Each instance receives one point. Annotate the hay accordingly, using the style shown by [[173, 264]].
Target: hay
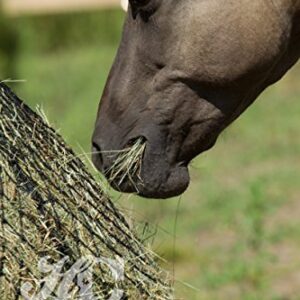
[[51, 206], [127, 164]]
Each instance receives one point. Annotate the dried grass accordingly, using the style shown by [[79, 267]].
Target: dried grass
[[127, 165]]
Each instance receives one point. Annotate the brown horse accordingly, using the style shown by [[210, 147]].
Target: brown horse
[[185, 70]]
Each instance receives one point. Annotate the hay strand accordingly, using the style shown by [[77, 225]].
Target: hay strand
[[128, 164]]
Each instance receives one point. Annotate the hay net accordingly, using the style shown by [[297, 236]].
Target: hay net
[[52, 211]]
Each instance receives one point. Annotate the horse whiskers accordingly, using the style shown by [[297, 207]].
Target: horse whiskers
[[85, 154]]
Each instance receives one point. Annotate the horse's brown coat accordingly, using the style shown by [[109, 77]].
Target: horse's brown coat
[[184, 71]]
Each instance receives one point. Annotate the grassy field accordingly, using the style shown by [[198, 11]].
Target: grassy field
[[235, 234]]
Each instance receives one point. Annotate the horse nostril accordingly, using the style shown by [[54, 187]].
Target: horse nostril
[[135, 141], [97, 156]]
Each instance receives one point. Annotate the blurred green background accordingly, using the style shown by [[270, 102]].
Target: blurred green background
[[235, 234]]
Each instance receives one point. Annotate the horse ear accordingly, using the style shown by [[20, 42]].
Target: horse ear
[[124, 4]]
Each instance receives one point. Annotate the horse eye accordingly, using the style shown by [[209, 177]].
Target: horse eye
[[137, 6], [138, 3]]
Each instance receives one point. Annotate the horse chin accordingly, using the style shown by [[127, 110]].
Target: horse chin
[[176, 182]]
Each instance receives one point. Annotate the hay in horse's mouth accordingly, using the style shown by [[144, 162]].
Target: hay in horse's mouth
[[127, 165]]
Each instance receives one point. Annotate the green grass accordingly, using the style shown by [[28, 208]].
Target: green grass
[[68, 86], [235, 234], [47, 33]]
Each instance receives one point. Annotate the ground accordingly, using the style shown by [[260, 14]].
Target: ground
[[235, 234]]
